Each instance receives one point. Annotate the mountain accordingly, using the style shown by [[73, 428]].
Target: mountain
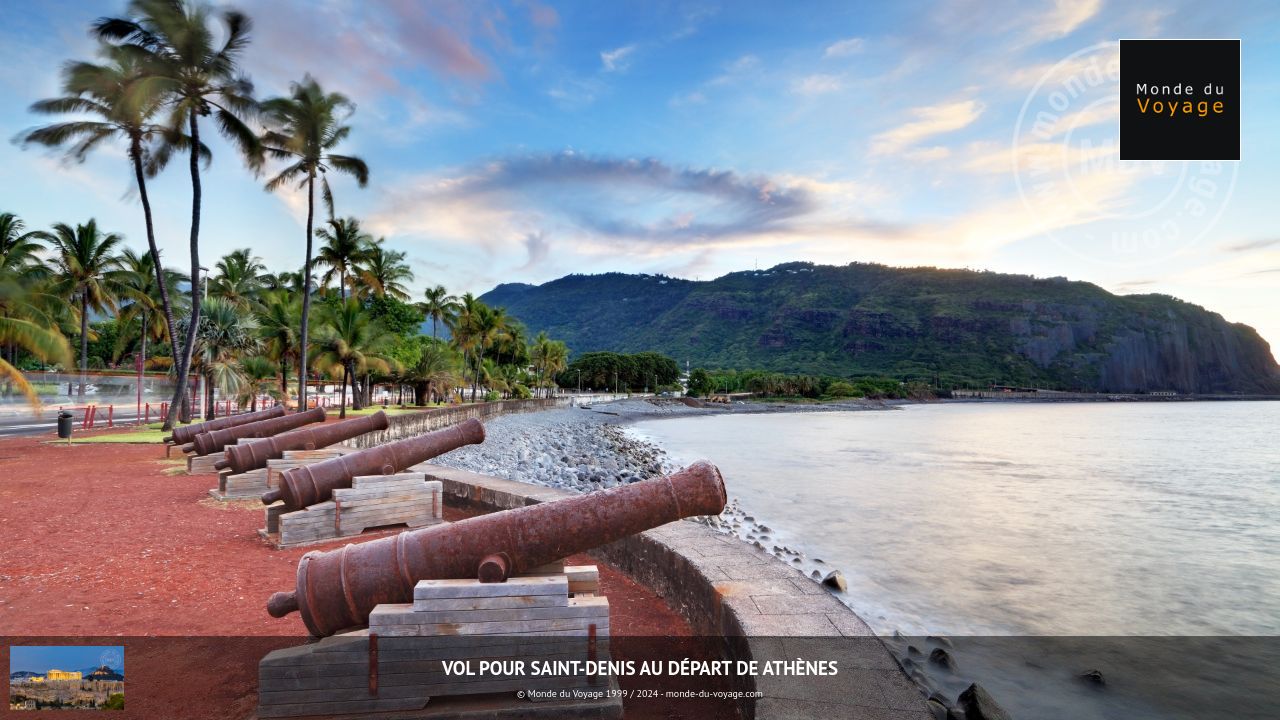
[[23, 674], [966, 328], [102, 673]]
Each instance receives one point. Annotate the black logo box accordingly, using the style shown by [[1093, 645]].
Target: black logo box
[[1187, 68]]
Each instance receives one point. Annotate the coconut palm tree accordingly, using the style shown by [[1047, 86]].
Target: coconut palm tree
[[384, 272], [239, 277], [549, 357], [87, 271], [350, 340], [226, 333], [198, 77], [24, 325], [20, 262], [440, 306], [279, 315], [343, 251], [124, 104], [304, 129]]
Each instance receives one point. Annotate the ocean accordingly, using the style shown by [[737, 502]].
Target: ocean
[[1004, 526]]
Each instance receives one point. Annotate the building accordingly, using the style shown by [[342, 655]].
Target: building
[[62, 675]]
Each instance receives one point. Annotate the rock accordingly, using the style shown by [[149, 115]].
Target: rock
[[816, 575], [835, 580], [939, 640], [1092, 677], [936, 709], [913, 651], [955, 714], [942, 659], [978, 704]]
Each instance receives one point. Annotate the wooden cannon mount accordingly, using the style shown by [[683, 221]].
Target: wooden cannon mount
[[350, 492]]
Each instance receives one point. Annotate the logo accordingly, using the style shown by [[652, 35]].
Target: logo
[[1179, 99]]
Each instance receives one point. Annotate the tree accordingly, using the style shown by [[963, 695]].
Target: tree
[[239, 278], [174, 40], [125, 102], [87, 271], [279, 315], [304, 128], [353, 342], [225, 334], [20, 264], [140, 304], [259, 375], [440, 306], [343, 251], [700, 384], [24, 325], [435, 372], [383, 272]]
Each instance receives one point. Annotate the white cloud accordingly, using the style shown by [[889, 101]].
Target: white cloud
[[930, 120], [816, 85], [844, 48], [616, 60]]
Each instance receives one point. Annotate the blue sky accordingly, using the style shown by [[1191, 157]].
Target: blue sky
[[42, 658], [522, 141]]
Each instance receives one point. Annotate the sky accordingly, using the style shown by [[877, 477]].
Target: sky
[[42, 658], [522, 141]]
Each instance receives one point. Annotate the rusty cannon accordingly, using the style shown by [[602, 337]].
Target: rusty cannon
[[211, 442], [253, 455], [184, 434], [338, 589], [311, 484]]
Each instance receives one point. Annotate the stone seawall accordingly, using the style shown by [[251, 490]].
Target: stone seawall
[[726, 588]]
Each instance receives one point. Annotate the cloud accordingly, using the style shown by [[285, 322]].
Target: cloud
[[930, 120], [818, 84], [616, 60], [1064, 18], [537, 246], [844, 48], [1250, 245]]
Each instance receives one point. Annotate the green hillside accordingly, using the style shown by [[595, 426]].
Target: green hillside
[[964, 327]]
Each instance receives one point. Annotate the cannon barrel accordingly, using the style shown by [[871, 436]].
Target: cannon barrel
[[183, 434], [339, 588], [253, 455], [215, 441], [314, 483]]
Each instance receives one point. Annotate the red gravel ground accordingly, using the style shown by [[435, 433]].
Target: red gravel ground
[[109, 540]]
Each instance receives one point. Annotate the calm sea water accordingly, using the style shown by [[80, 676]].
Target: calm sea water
[[1141, 540], [1021, 519]]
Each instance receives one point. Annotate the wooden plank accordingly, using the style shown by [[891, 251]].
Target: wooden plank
[[490, 603], [522, 585], [389, 614], [511, 627]]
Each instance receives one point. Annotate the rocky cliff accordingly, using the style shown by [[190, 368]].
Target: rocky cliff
[[956, 326]]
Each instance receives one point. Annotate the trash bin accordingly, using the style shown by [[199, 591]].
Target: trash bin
[[64, 425]]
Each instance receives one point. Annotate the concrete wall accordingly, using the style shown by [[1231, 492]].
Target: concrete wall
[[759, 605]]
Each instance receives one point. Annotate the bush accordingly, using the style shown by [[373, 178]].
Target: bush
[[492, 396], [520, 392], [842, 389]]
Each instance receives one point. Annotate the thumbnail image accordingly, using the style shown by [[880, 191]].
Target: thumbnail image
[[66, 677]]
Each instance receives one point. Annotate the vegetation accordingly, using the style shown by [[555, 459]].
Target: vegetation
[[614, 371]]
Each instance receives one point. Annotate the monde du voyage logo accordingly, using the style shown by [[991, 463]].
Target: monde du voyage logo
[[1179, 99]]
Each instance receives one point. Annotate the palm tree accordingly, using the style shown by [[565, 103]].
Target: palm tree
[[19, 262], [304, 129], [383, 272], [225, 334], [435, 373], [278, 317], [24, 325], [352, 341], [197, 78], [465, 331], [87, 271], [344, 250], [549, 357], [239, 277], [259, 374], [139, 294], [439, 306], [125, 104]]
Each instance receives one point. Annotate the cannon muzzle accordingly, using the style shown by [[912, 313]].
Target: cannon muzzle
[[215, 441], [185, 433], [253, 455], [314, 483], [339, 588]]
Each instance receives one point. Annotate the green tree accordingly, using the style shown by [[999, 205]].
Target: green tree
[[345, 248], [700, 384], [439, 306], [226, 333], [279, 315], [20, 267], [87, 271], [141, 316], [198, 78], [259, 374], [25, 325], [304, 129], [383, 273], [125, 105], [239, 278], [436, 371], [350, 340]]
